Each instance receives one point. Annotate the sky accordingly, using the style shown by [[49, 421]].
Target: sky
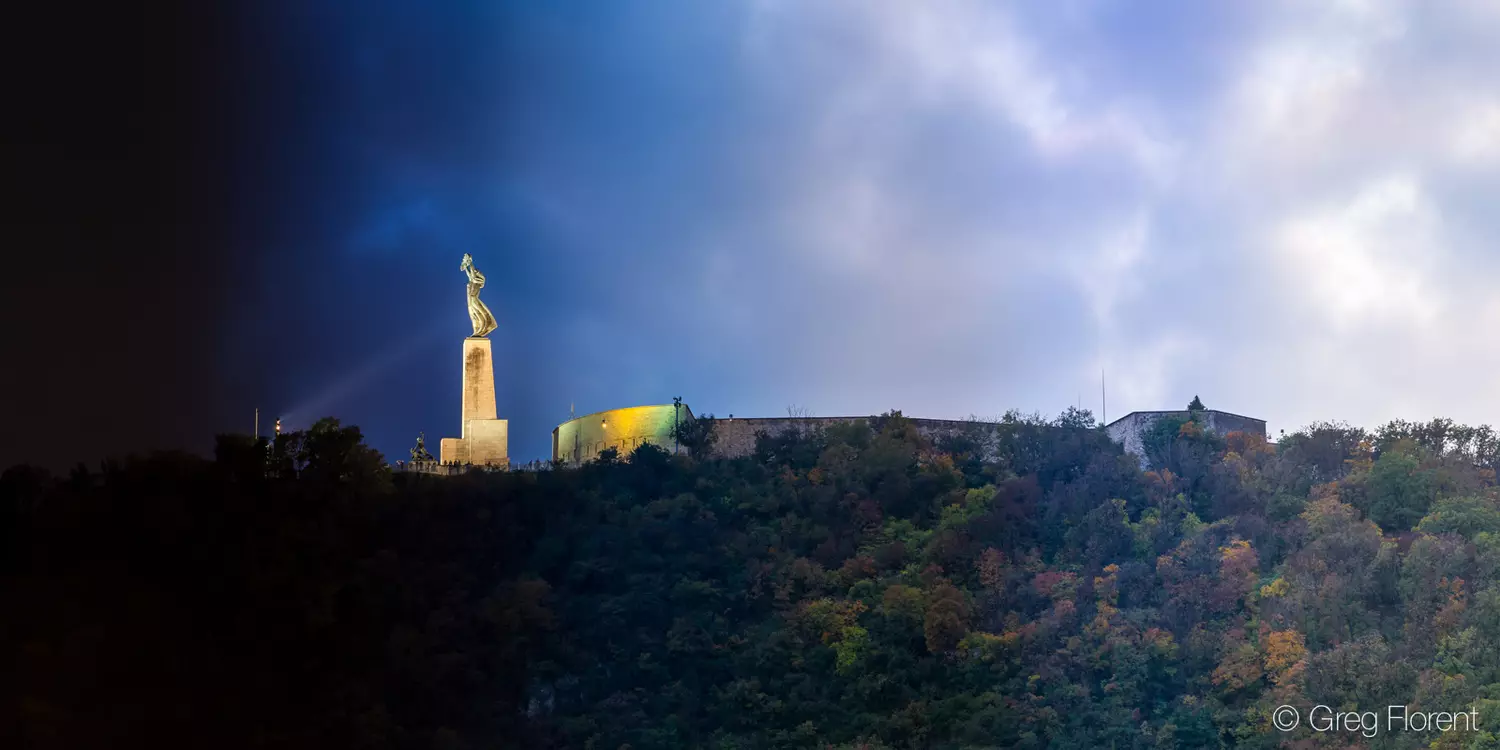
[[949, 208]]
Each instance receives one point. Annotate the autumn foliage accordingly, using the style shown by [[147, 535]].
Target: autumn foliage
[[1022, 585]]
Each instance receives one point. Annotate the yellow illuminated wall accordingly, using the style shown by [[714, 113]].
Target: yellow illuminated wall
[[583, 438]]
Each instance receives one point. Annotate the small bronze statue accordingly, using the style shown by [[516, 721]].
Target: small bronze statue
[[420, 453]]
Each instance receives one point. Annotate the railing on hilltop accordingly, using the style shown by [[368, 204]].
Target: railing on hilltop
[[438, 468], [533, 466]]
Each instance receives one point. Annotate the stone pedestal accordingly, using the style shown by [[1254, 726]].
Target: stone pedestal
[[451, 451], [488, 441], [479, 381], [485, 440]]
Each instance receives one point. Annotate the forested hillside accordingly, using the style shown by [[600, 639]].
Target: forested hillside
[[1024, 586]]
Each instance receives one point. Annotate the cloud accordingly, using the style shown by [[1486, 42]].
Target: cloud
[[1348, 161], [1106, 275], [1317, 199], [1475, 136], [1369, 259]]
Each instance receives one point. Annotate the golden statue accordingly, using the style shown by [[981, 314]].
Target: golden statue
[[479, 315]]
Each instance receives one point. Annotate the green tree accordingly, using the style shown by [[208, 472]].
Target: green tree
[[1399, 489], [1466, 516]]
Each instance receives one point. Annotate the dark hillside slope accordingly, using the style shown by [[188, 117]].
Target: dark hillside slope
[[855, 587]]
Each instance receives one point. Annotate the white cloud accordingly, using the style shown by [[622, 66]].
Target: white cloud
[[1369, 259], [1475, 137], [958, 53], [1106, 275]]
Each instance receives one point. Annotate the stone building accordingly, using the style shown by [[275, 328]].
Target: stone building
[[1129, 430]]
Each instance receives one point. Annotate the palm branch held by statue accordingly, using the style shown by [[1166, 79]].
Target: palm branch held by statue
[[479, 315]]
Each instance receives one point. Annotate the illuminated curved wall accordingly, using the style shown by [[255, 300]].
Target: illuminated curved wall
[[582, 439]]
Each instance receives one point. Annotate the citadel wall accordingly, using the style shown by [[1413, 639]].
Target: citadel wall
[[1130, 429], [735, 436], [584, 438]]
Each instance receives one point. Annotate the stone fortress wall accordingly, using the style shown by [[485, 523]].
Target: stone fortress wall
[[1130, 429], [584, 438], [735, 436]]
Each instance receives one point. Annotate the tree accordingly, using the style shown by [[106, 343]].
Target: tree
[[1467, 516], [1399, 489], [1195, 405], [1075, 418], [329, 451], [697, 435], [947, 617], [1321, 452], [1158, 439]]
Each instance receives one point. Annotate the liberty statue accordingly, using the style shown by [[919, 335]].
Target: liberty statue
[[479, 315]]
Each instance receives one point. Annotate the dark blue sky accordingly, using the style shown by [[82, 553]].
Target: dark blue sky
[[569, 150], [951, 208]]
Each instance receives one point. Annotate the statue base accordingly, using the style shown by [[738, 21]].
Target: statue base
[[487, 444], [485, 440]]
